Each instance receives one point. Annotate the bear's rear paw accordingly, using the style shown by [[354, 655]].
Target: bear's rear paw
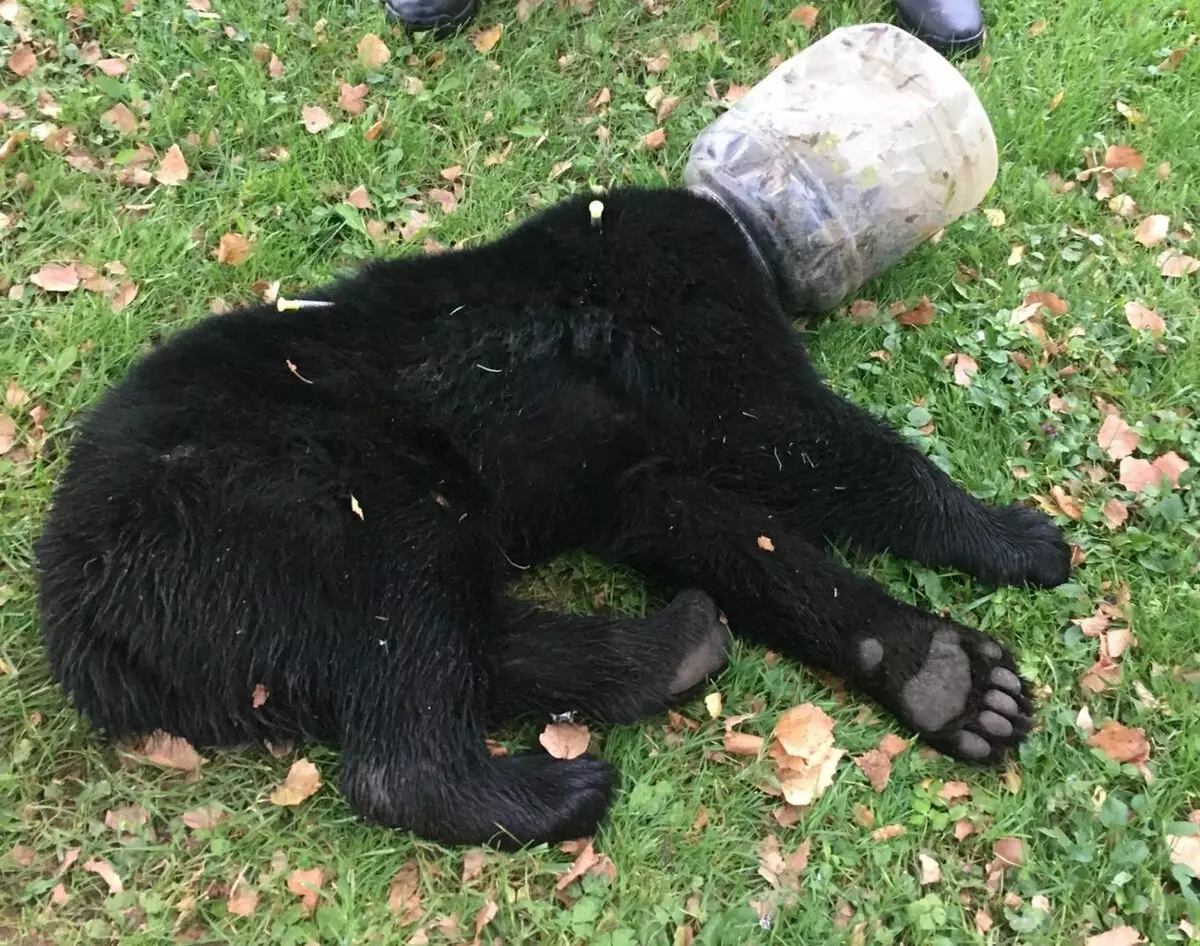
[[960, 691], [1022, 546], [694, 617]]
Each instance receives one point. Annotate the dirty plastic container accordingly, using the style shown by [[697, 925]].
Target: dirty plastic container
[[845, 158]]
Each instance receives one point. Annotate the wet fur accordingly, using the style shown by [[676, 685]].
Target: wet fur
[[634, 390]]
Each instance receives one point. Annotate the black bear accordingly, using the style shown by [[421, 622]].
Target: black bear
[[329, 502]]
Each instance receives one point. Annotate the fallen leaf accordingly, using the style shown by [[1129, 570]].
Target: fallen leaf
[[887, 832], [995, 217], [204, 818], [953, 791], [1052, 302], [931, 872], [585, 860], [782, 873], [965, 368], [655, 140], [417, 221], [765, 543], [1057, 100], [452, 173], [306, 884], [352, 98], [1123, 156], [1130, 114], [656, 65], [22, 62], [372, 51], [1117, 936], [113, 68], [1066, 503], [665, 108], [1153, 230], [735, 93], [741, 743], [1121, 743], [105, 872], [525, 9], [359, 198], [876, 765], [892, 744], [473, 862], [1171, 465], [56, 278], [1037, 29], [1136, 474], [23, 856], [1101, 676], [242, 899], [404, 895], [485, 41], [125, 294], [443, 198], [126, 819], [59, 895], [1138, 316], [316, 119], [919, 315], [1116, 438], [1171, 63], [275, 67], [121, 118], [232, 250], [173, 170], [1115, 513], [862, 309], [302, 782], [805, 731], [1175, 264], [483, 917], [1185, 849], [863, 816], [259, 696], [565, 740], [963, 829], [983, 921], [806, 16], [169, 751], [1010, 851]]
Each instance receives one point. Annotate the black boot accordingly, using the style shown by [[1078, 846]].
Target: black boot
[[949, 26], [441, 16]]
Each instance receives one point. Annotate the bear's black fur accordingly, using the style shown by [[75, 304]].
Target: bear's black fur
[[328, 502]]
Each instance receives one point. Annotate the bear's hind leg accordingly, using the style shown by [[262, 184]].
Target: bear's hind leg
[[613, 670], [958, 688]]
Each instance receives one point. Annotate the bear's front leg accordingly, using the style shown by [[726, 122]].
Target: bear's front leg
[[956, 687]]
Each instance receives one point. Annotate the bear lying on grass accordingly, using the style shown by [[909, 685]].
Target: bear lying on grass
[[330, 501]]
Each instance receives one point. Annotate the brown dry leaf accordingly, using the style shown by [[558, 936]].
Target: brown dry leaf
[[121, 118], [1101, 676], [22, 62], [585, 861], [359, 198], [952, 791], [56, 278], [261, 694], [306, 884], [242, 899], [919, 315], [963, 829], [1185, 849], [113, 68], [126, 819], [125, 294], [983, 921], [485, 41], [8, 431], [1175, 264], [782, 873], [417, 221], [443, 198], [876, 765], [1052, 302], [665, 108], [806, 16], [734, 94], [232, 250], [302, 782], [173, 170], [656, 65], [1066, 503], [655, 140], [1123, 156], [525, 9], [105, 872], [931, 871], [805, 731], [23, 856], [351, 98], [404, 896], [316, 119], [1153, 230], [169, 751], [473, 862], [863, 816], [1140, 317], [565, 740], [765, 543], [892, 744], [452, 173], [1115, 513], [965, 368], [372, 51], [743, 743], [862, 309], [275, 67], [203, 818], [1136, 474], [1117, 936], [887, 832], [1121, 743], [483, 917], [1116, 438], [1009, 851]]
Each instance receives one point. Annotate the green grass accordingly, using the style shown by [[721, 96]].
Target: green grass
[[1093, 831]]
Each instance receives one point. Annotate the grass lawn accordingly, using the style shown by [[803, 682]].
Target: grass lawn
[[451, 142]]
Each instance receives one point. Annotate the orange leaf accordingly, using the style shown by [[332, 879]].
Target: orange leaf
[[1145, 319], [765, 543], [565, 740], [275, 67], [260, 695], [306, 884], [1175, 264], [485, 41], [1123, 156], [121, 118], [656, 65], [1052, 302], [351, 98], [112, 67], [359, 198], [655, 140], [805, 16], [22, 62], [233, 250], [105, 872], [1117, 936], [242, 900], [743, 743], [919, 315], [302, 782], [316, 119], [169, 751], [1153, 230], [372, 51], [173, 170], [56, 278], [887, 832], [1121, 743], [1115, 513], [876, 765], [965, 368], [1116, 438], [203, 818]]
